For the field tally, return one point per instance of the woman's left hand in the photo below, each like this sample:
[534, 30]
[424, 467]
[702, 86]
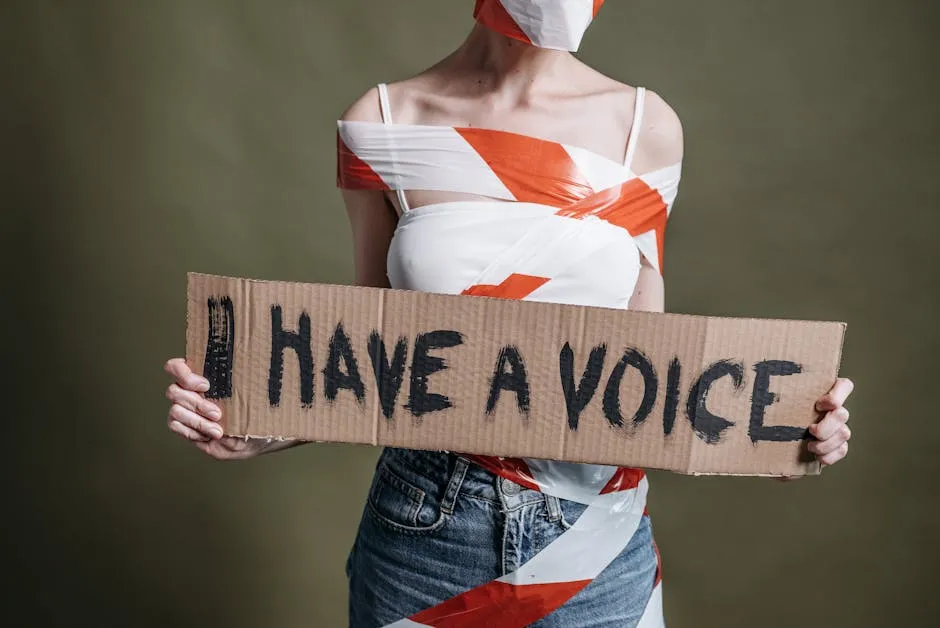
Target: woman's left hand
[832, 434]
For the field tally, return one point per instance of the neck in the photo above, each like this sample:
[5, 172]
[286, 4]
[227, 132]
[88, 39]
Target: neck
[505, 64]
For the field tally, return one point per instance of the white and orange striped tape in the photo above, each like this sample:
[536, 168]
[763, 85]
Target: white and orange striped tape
[555, 24]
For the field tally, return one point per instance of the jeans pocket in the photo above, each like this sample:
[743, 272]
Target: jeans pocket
[397, 503]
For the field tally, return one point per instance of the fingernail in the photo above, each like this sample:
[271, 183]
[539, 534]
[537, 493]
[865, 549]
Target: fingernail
[216, 432]
[202, 385]
[214, 413]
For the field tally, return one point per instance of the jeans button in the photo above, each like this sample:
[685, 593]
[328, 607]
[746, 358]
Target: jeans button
[510, 487]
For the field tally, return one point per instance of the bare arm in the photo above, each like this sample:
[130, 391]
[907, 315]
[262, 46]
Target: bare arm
[649, 293]
[373, 224]
[372, 217]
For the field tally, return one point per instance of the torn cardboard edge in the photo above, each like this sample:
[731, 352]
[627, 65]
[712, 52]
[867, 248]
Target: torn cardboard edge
[691, 394]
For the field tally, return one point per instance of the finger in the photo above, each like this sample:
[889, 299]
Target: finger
[830, 424]
[187, 432]
[184, 375]
[836, 396]
[227, 448]
[835, 456]
[210, 447]
[192, 420]
[823, 447]
[193, 401]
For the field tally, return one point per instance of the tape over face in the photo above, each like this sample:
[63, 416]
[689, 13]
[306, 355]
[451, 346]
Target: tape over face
[554, 24]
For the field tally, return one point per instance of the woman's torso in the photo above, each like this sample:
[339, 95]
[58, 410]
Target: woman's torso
[543, 204]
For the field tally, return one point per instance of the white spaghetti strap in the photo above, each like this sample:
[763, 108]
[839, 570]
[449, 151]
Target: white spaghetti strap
[386, 109]
[384, 105]
[635, 129]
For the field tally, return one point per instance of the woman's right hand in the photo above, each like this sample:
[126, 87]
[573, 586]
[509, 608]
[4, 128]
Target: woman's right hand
[196, 419]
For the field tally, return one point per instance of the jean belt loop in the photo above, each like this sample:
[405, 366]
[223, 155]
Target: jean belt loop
[453, 487]
[553, 507]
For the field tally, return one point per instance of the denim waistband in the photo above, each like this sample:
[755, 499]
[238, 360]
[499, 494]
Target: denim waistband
[441, 467]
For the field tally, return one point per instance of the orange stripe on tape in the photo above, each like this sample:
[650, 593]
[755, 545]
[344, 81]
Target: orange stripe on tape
[633, 206]
[533, 169]
[515, 286]
[513, 469]
[352, 173]
[623, 479]
[500, 605]
[493, 15]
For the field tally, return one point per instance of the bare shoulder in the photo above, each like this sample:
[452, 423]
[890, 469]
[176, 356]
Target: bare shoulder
[660, 133]
[661, 136]
[405, 96]
[365, 108]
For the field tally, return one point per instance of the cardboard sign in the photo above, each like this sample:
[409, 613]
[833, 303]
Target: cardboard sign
[690, 394]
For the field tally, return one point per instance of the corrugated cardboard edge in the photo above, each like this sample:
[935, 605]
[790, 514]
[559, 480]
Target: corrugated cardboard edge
[193, 275]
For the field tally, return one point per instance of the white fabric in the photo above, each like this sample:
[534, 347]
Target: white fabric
[412, 157]
[447, 247]
[559, 24]
[638, 109]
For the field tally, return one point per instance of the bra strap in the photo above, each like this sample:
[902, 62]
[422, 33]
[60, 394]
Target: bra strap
[635, 129]
[384, 105]
[386, 109]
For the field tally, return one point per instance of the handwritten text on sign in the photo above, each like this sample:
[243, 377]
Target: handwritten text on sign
[342, 372]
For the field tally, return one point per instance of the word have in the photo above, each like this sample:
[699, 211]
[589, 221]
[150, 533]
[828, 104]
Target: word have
[341, 370]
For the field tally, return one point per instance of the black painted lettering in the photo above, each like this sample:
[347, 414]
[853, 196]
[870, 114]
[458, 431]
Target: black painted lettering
[707, 426]
[672, 396]
[577, 397]
[762, 397]
[388, 376]
[220, 348]
[641, 363]
[513, 380]
[299, 341]
[334, 378]
[423, 365]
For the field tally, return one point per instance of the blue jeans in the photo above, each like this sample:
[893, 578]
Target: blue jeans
[435, 525]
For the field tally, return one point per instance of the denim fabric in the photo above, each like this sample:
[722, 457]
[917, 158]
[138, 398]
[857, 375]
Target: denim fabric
[435, 525]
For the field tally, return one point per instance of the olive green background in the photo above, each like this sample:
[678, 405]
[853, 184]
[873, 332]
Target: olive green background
[142, 140]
